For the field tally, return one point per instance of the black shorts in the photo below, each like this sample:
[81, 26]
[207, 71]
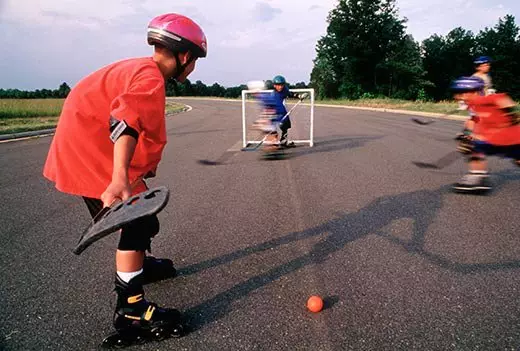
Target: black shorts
[285, 124]
[509, 151]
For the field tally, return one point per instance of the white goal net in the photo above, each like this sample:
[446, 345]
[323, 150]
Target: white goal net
[302, 118]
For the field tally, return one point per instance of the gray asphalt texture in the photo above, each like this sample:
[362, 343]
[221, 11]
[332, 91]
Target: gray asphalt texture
[402, 262]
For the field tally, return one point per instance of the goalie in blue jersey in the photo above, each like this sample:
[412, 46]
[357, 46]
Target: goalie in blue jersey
[275, 115]
[282, 92]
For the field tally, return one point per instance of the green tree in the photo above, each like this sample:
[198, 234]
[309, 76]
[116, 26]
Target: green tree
[366, 50]
[217, 90]
[446, 58]
[63, 90]
[502, 43]
[200, 89]
[401, 73]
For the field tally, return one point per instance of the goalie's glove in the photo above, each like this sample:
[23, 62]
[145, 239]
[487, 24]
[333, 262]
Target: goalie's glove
[465, 142]
[302, 96]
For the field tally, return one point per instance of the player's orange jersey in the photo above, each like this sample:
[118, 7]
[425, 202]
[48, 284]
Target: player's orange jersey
[80, 160]
[492, 125]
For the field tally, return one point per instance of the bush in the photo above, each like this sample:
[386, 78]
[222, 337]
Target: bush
[350, 91]
[368, 95]
[422, 96]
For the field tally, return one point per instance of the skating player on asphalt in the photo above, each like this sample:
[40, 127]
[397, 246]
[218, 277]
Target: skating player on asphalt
[281, 92]
[493, 130]
[482, 68]
[111, 135]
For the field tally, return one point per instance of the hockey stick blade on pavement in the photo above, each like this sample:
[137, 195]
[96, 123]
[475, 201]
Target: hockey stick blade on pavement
[256, 147]
[219, 161]
[425, 123]
[421, 122]
[441, 163]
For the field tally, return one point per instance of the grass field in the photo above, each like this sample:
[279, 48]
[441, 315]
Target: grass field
[21, 108]
[395, 104]
[23, 115]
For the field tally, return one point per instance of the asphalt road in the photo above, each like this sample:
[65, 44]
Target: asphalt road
[403, 263]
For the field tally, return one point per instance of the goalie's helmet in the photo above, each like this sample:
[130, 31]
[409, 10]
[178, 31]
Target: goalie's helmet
[467, 84]
[177, 33]
[481, 60]
[279, 80]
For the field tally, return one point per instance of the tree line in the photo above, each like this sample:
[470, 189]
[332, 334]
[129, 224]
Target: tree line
[217, 90]
[61, 92]
[366, 52]
[172, 89]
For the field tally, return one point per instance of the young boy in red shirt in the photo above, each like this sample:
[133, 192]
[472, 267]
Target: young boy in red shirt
[494, 129]
[110, 136]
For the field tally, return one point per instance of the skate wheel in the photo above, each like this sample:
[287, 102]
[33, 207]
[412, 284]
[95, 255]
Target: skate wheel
[472, 192]
[115, 341]
[159, 333]
[139, 340]
[177, 331]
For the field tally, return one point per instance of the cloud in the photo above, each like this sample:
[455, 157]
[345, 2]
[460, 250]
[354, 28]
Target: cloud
[66, 12]
[281, 39]
[264, 12]
[246, 40]
[70, 20]
[441, 16]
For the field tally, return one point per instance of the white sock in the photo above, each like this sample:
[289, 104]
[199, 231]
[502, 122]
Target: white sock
[127, 276]
[478, 172]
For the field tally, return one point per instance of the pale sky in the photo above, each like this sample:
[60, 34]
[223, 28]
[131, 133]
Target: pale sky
[46, 42]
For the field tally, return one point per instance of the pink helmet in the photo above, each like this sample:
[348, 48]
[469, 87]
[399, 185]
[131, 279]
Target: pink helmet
[178, 34]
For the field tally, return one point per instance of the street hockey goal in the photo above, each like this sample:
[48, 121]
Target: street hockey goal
[302, 118]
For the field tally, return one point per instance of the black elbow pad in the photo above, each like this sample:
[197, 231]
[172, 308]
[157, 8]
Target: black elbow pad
[118, 128]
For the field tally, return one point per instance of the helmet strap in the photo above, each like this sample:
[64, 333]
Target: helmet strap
[181, 68]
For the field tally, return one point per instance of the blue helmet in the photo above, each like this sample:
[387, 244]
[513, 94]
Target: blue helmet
[481, 60]
[467, 84]
[279, 80]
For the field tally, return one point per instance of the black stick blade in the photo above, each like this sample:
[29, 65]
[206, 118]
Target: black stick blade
[208, 162]
[421, 122]
[448, 159]
[219, 161]
[425, 165]
[444, 161]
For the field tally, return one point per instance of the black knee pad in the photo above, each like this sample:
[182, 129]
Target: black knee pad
[138, 235]
[476, 158]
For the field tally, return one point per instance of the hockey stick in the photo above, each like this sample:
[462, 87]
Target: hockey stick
[425, 123]
[117, 216]
[444, 161]
[265, 138]
[222, 159]
[105, 209]
[421, 122]
[256, 146]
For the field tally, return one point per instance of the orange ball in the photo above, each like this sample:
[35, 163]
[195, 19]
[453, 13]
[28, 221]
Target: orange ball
[315, 304]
